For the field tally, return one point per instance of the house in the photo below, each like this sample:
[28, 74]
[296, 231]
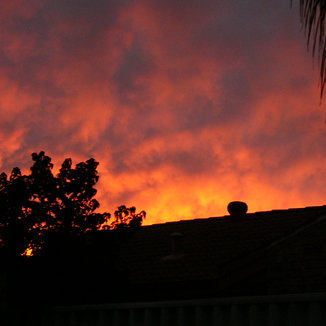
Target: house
[241, 254]
[264, 268]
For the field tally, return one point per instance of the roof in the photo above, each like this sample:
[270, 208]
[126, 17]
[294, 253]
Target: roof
[211, 247]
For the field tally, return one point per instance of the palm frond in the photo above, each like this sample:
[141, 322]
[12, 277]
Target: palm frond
[313, 14]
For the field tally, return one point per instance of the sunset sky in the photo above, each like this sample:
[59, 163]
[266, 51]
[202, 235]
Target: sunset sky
[187, 104]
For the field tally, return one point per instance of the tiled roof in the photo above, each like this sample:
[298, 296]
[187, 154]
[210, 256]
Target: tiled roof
[209, 245]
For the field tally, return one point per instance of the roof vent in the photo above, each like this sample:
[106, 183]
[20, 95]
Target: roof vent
[176, 247]
[237, 208]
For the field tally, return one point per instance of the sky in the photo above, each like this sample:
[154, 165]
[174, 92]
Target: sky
[187, 105]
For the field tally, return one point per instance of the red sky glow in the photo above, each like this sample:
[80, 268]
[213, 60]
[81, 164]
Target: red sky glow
[187, 105]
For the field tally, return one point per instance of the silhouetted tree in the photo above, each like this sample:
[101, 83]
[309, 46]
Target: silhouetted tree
[41, 210]
[35, 206]
[74, 248]
[127, 217]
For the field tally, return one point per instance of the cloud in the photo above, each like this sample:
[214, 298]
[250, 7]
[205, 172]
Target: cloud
[187, 105]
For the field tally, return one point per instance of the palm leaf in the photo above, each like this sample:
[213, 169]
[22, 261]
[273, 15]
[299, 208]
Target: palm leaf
[312, 14]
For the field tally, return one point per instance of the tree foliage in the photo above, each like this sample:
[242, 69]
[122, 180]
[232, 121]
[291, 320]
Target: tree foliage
[40, 207]
[312, 14]
[127, 217]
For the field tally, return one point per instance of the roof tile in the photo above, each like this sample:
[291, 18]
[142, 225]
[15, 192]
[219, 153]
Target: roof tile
[209, 244]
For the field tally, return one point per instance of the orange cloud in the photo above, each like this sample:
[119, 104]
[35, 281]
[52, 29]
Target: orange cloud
[187, 105]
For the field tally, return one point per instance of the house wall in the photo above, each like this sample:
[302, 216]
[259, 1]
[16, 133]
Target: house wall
[298, 263]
